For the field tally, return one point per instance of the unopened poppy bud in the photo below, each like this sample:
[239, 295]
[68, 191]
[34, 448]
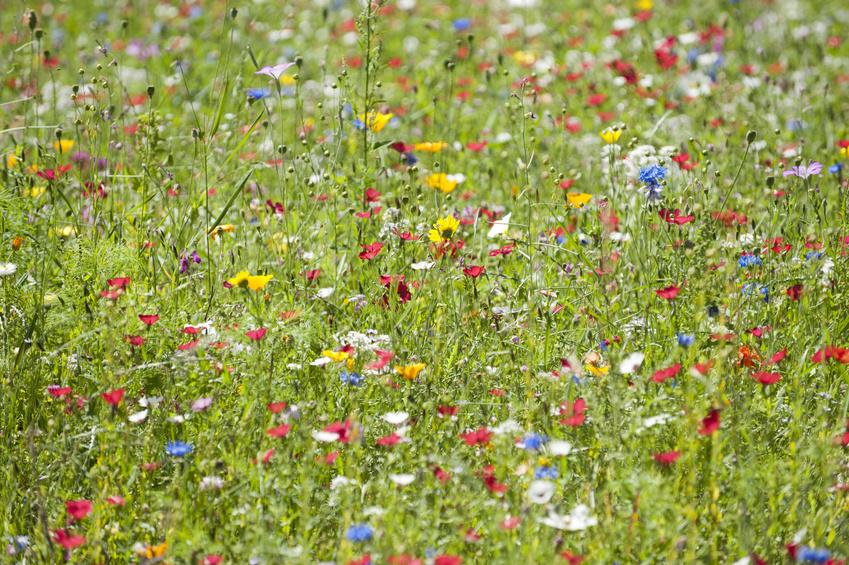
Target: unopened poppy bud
[233, 13]
[39, 33]
[751, 135]
[32, 20]
[770, 181]
[151, 90]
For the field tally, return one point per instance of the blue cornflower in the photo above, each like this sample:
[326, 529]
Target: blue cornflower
[533, 441]
[178, 448]
[796, 125]
[462, 24]
[359, 533]
[652, 175]
[686, 340]
[813, 255]
[812, 554]
[545, 473]
[836, 168]
[749, 288]
[410, 159]
[749, 260]
[352, 378]
[255, 94]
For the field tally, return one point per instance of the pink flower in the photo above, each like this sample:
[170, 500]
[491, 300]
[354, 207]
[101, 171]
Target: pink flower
[78, 509]
[113, 397]
[274, 72]
[257, 334]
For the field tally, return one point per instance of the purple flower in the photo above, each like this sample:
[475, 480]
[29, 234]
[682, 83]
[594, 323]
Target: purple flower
[804, 172]
[187, 260]
[201, 404]
[274, 72]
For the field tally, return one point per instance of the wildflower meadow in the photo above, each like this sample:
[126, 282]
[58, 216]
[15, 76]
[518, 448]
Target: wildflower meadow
[424, 282]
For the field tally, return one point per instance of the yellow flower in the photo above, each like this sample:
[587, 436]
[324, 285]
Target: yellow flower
[578, 199]
[35, 191]
[63, 145]
[644, 5]
[597, 370]
[442, 182]
[155, 551]
[223, 228]
[410, 372]
[287, 80]
[524, 57]
[241, 279]
[844, 151]
[337, 356]
[66, 231]
[611, 135]
[430, 146]
[258, 282]
[11, 160]
[444, 229]
[376, 121]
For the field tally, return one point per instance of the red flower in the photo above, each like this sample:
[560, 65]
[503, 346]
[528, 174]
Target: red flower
[66, 540]
[279, 432]
[118, 282]
[572, 558]
[766, 378]
[276, 407]
[795, 292]
[448, 560]
[441, 475]
[370, 250]
[710, 424]
[212, 560]
[257, 334]
[312, 274]
[78, 509]
[372, 195]
[506, 250]
[476, 146]
[116, 500]
[510, 523]
[113, 397]
[57, 391]
[668, 293]
[675, 217]
[383, 358]
[777, 357]
[189, 345]
[474, 271]
[481, 436]
[491, 483]
[667, 457]
[446, 410]
[134, 340]
[575, 413]
[149, 319]
[839, 354]
[389, 441]
[668, 373]
[341, 429]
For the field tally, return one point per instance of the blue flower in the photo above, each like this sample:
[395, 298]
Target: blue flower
[813, 255]
[352, 378]
[533, 441]
[836, 168]
[812, 554]
[359, 533]
[255, 94]
[686, 340]
[410, 159]
[545, 473]
[462, 24]
[652, 175]
[749, 260]
[178, 448]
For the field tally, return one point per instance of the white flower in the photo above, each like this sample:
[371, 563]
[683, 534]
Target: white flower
[150, 401]
[541, 491]
[402, 479]
[211, 483]
[559, 447]
[499, 227]
[422, 265]
[138, 417]
[340, 482]
[396, 418]
[506, 427]
[7, 269]
[325, 437]
[324, 293]
[631, 363]
[578, 519]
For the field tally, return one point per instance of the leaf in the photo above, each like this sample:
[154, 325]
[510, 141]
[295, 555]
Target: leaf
[230, 201]
[222, 103]
[379, 144]
[244, 139]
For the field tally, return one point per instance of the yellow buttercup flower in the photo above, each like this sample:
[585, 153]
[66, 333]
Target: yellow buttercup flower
[578, 199]
[441, 181]
[241, 279]
[430, 146]
[524, 57]
[611, 135]
[287, 80]
[844, 151]
[410, 372]
[644, 5]
[376, 121]
[337, 356]
[63, 145]
[258, 282]
[223, 228]
[597, 370]
[444, 229]
[11, 160]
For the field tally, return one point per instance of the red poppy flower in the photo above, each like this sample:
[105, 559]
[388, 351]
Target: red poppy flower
[383, 358]
[506, 250]
[481, 436]
[777, 357]
[113, 397]
[149, 319]
[441, 475]
[276, 407]
[78, 509]
[710, 423]
[403, 560]
[445, 410]
[476, 146]
[67, 540]
[57, 391]
[312, 274]
[795, 292]
[118, 282]
[343, 430]
[667, 457]
[510, 523]
[839, 354]
[668, 293]
[390, 440]
[116, 500]
[212, 560]
[257, 334]
[189, 345]
[766, 378]
[574, 412]
[572, 558]
[279, 432]
[370, 250]
[675, 217]
[134, 340]
[491, 483]
[448, 560]
[668, 373]
[474, 271]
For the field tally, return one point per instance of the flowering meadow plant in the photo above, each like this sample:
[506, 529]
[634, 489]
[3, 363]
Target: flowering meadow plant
[424, 282]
